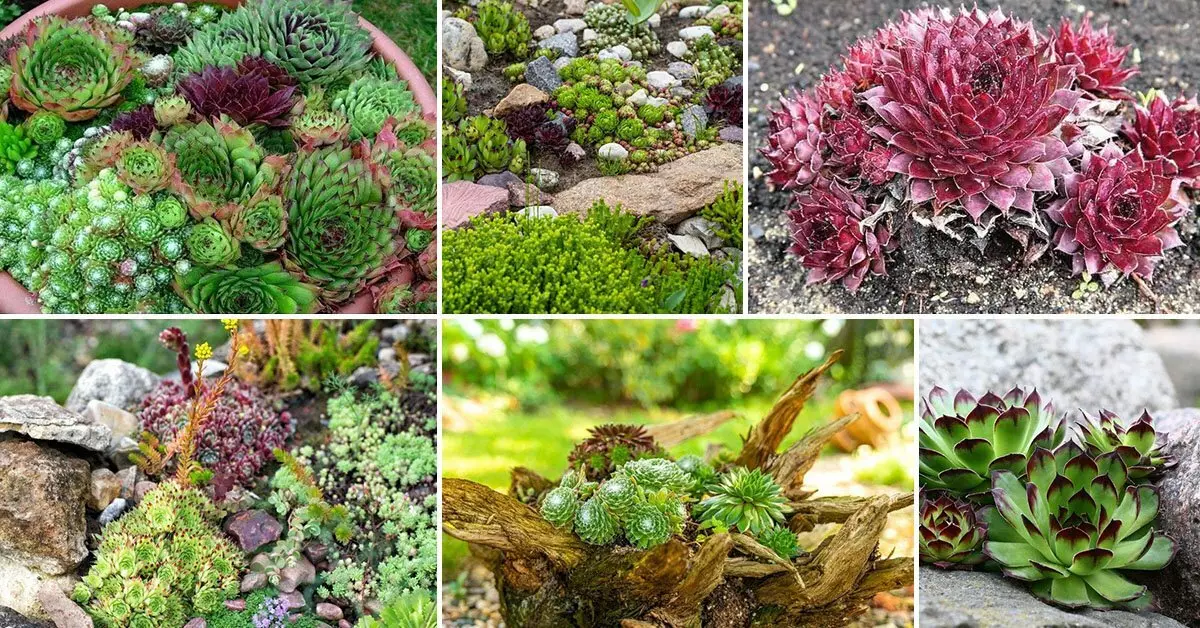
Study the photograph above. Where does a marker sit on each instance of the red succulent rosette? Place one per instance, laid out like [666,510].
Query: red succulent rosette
[1118,214]
[1095,57]
[835,236]
[254,92]
[971,103]
[795,144]
[1170,130]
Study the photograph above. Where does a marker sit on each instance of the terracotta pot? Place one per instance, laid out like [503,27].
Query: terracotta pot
[15,299]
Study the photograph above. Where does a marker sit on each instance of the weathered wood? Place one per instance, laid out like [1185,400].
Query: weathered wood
[764,439]
[629,578]
[527,484]
[477,514]
[750,568]
[765,554]
[703,576]
[669,435]
[839,509]
[790,467]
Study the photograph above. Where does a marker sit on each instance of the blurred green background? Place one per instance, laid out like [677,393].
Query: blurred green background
[44,357]
[523,392]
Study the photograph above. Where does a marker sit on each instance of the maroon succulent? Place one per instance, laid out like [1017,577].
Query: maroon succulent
[1118,214]
[796,143]
[140,122]
[971,102]
[246,94]
[1170,130]
[724,101]
[836,235]
[1095,57]
[277,77]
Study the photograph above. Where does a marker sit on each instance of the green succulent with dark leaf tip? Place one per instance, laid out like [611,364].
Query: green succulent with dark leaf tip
[265,289]
[1073,527]
[964,440]
[218,162]
[1141,447]
[369,101]
[748,500]
[951,535]
[780,540]
[210,244]
[594,524]
[646,526]
[560,506]
[261,222]
[45,127]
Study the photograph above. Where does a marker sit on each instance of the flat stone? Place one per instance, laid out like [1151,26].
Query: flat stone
[695,32]
[702,228]
[235,605]
[731,134]
[677,190]
[544,31]
[42,490]
[463,200]
[678,49]
[565,44]
[1086,365]
[721,10]
[115,382]
[499,179]
[40,418]
[293,577]
[613,152]
[331,612]
[252,529]
[521,95]
[971,599]
[60,609]
[105,488]
[569,25]
[681,70]
[659,79]
[544,178]
[524,194]
[689,244]
[462,48]
[693,120]
[539,211]
[541,74]
[122,423]
[693,13]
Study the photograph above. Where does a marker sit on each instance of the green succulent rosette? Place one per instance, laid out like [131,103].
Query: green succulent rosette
[263,289]
[646,526]
[369,102]
[747,500]
[780,540]
[72,68]
[594,524]
[340,230]
[261,222]
[211,245]
[414,179]
[145,167]
[45,128]
[560,506]
[318,128]
[218,163]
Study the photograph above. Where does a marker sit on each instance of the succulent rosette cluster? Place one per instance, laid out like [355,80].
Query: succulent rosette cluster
[976,124]
[294,168]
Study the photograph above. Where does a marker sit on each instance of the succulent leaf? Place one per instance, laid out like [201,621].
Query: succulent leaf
[950,534]
[748,500]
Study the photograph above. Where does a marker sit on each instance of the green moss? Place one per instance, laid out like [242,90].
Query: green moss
[726,213]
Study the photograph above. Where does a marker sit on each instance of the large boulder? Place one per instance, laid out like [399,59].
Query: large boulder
[1088,364]
[42,419]
[970,599]
[19,586]
[1177,587]
[115,382]
[1179,347]
[674,192]
[463,200]
[10,618]
[43,493]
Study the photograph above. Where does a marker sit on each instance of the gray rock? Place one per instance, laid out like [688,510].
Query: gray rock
[1088,364]
[113,511]
[678,49]
[1179,347]
[114,382]
[590,35]
[569,25]
[732,134]
[40,418]
[462,48]
[1176,588]
[575,7]
[681,70]
[459,76]
[661,80]
[613,152]
[566,44]
[693,13]
[638,98]
[721,10]
[968,599]
[499,179]
[19,586]
[122,423]
[544,178]
[541,74]
[693,120]
[575,151]
[682,92]
[622,51]
[695,32]
[654,20]
[728,301]
[142,488]
[562,62]
[539,211]
[544,31]
[10,618]
[129,479]
[607,54]
[756,231]
[297,575]
[701,228]
[60,609]
[689,244]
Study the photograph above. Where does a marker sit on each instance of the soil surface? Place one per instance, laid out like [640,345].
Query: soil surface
[787,53]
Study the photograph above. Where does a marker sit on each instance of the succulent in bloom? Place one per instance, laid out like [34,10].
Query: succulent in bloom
[748,500]
[971,103]
[1073,527]
[171,110]
[1141,448]
[594,524]
[218,162]
[1117,215]
[263,289]
[370,101]
[837,236]
[1095,57]
[950,535]
[610,446]
[210,244]
[560,506]
[72,68]
[796,143]
[244,94]
[1170,130]
[965,440]
[340,232]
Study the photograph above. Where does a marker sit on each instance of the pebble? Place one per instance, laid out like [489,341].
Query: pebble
[544,178]
[332,612]
[569,25]
[661,80]
[544,31]
[589,35]
[638,98]
[575,151]
[654,20]
[613,152]
[541,74]
[972,298]
[696,32]
[539,211]
[561,63]
[721,10]
[113,511]
[681,70]
[693,13]
[623,52]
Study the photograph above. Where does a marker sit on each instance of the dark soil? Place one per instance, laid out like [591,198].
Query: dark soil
[951,277]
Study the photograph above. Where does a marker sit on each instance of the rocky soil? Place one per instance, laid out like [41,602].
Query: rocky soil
[932,273]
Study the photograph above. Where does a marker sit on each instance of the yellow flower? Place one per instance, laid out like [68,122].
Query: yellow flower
[243,350]
[231,324]
[203,351]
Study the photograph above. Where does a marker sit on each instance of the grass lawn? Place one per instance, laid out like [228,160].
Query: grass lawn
[495,444]
[412,24]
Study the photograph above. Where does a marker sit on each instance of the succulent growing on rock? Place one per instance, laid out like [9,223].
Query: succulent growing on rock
[1170,130]
[264,289]
[610,446]
[1141,448]
[965,440]
[72,68]
[244,94]
[1073,527]
[837,236]
[970,103]
[218,162]
[1095,58]
[747,500]
[950,535]
[1116,215]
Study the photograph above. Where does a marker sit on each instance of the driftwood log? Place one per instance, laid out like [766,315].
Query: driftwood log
[548,578]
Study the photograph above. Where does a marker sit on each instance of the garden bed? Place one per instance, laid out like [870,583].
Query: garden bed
[928,271]
[550,110]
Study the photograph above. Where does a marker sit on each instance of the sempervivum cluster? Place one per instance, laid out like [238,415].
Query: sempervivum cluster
[982,121]
[949,534]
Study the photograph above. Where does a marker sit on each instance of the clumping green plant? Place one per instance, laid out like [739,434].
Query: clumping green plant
[414,610]
[643,501]
[726,213]
[454,101]
[713,62]
[480,145]
[370,101]
[747,500]
[504,29]
[613,27]
[162,563]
